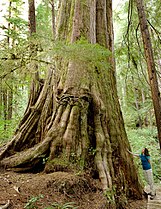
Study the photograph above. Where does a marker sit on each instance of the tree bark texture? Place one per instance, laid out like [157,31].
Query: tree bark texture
[75,120]
[32,18]
[150,65]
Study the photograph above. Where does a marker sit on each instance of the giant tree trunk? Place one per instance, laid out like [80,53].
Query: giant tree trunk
[75,121]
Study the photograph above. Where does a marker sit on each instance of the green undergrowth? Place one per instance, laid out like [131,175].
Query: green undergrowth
[34,201]
[7,129]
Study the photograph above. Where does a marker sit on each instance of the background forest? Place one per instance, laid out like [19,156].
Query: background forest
[132,80]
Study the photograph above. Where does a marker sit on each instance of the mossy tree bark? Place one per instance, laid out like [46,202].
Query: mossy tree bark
[75,120]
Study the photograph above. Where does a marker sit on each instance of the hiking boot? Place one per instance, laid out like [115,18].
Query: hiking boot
[152,196]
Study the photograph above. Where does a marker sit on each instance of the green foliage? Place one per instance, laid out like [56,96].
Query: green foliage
[69,205]
[10,128]
[44,24]
[82,51]
[43,18]
[92,151]
[31,204]
[147,137]
[132,114]
[18,26]
[109,194]
[19,29]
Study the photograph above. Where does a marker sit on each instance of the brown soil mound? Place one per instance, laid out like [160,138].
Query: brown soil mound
[42,190]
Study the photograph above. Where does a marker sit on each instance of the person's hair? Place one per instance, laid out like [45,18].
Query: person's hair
[146,152]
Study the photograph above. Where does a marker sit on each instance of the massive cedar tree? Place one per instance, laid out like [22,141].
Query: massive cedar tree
[74,119]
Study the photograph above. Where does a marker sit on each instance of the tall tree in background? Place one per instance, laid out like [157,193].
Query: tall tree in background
[32,17]
[53,18]
[7,93]
[150,65]
[74,119]
[10,90]
[35,86]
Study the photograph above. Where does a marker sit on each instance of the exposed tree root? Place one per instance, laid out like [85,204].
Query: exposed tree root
[26,160]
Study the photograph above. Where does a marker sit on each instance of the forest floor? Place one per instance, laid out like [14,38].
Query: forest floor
[42,190]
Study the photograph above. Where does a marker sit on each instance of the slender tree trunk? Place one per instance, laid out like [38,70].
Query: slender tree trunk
[53,18]
[146,122]
[4,96]
[9,24]
[139,120]
[10,103]
[150,65]
[9,91]
[32,18]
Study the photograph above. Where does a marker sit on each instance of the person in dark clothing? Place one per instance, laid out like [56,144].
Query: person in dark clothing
[147,169]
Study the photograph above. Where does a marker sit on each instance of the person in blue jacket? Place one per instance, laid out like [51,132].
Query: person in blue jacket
[147,169]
